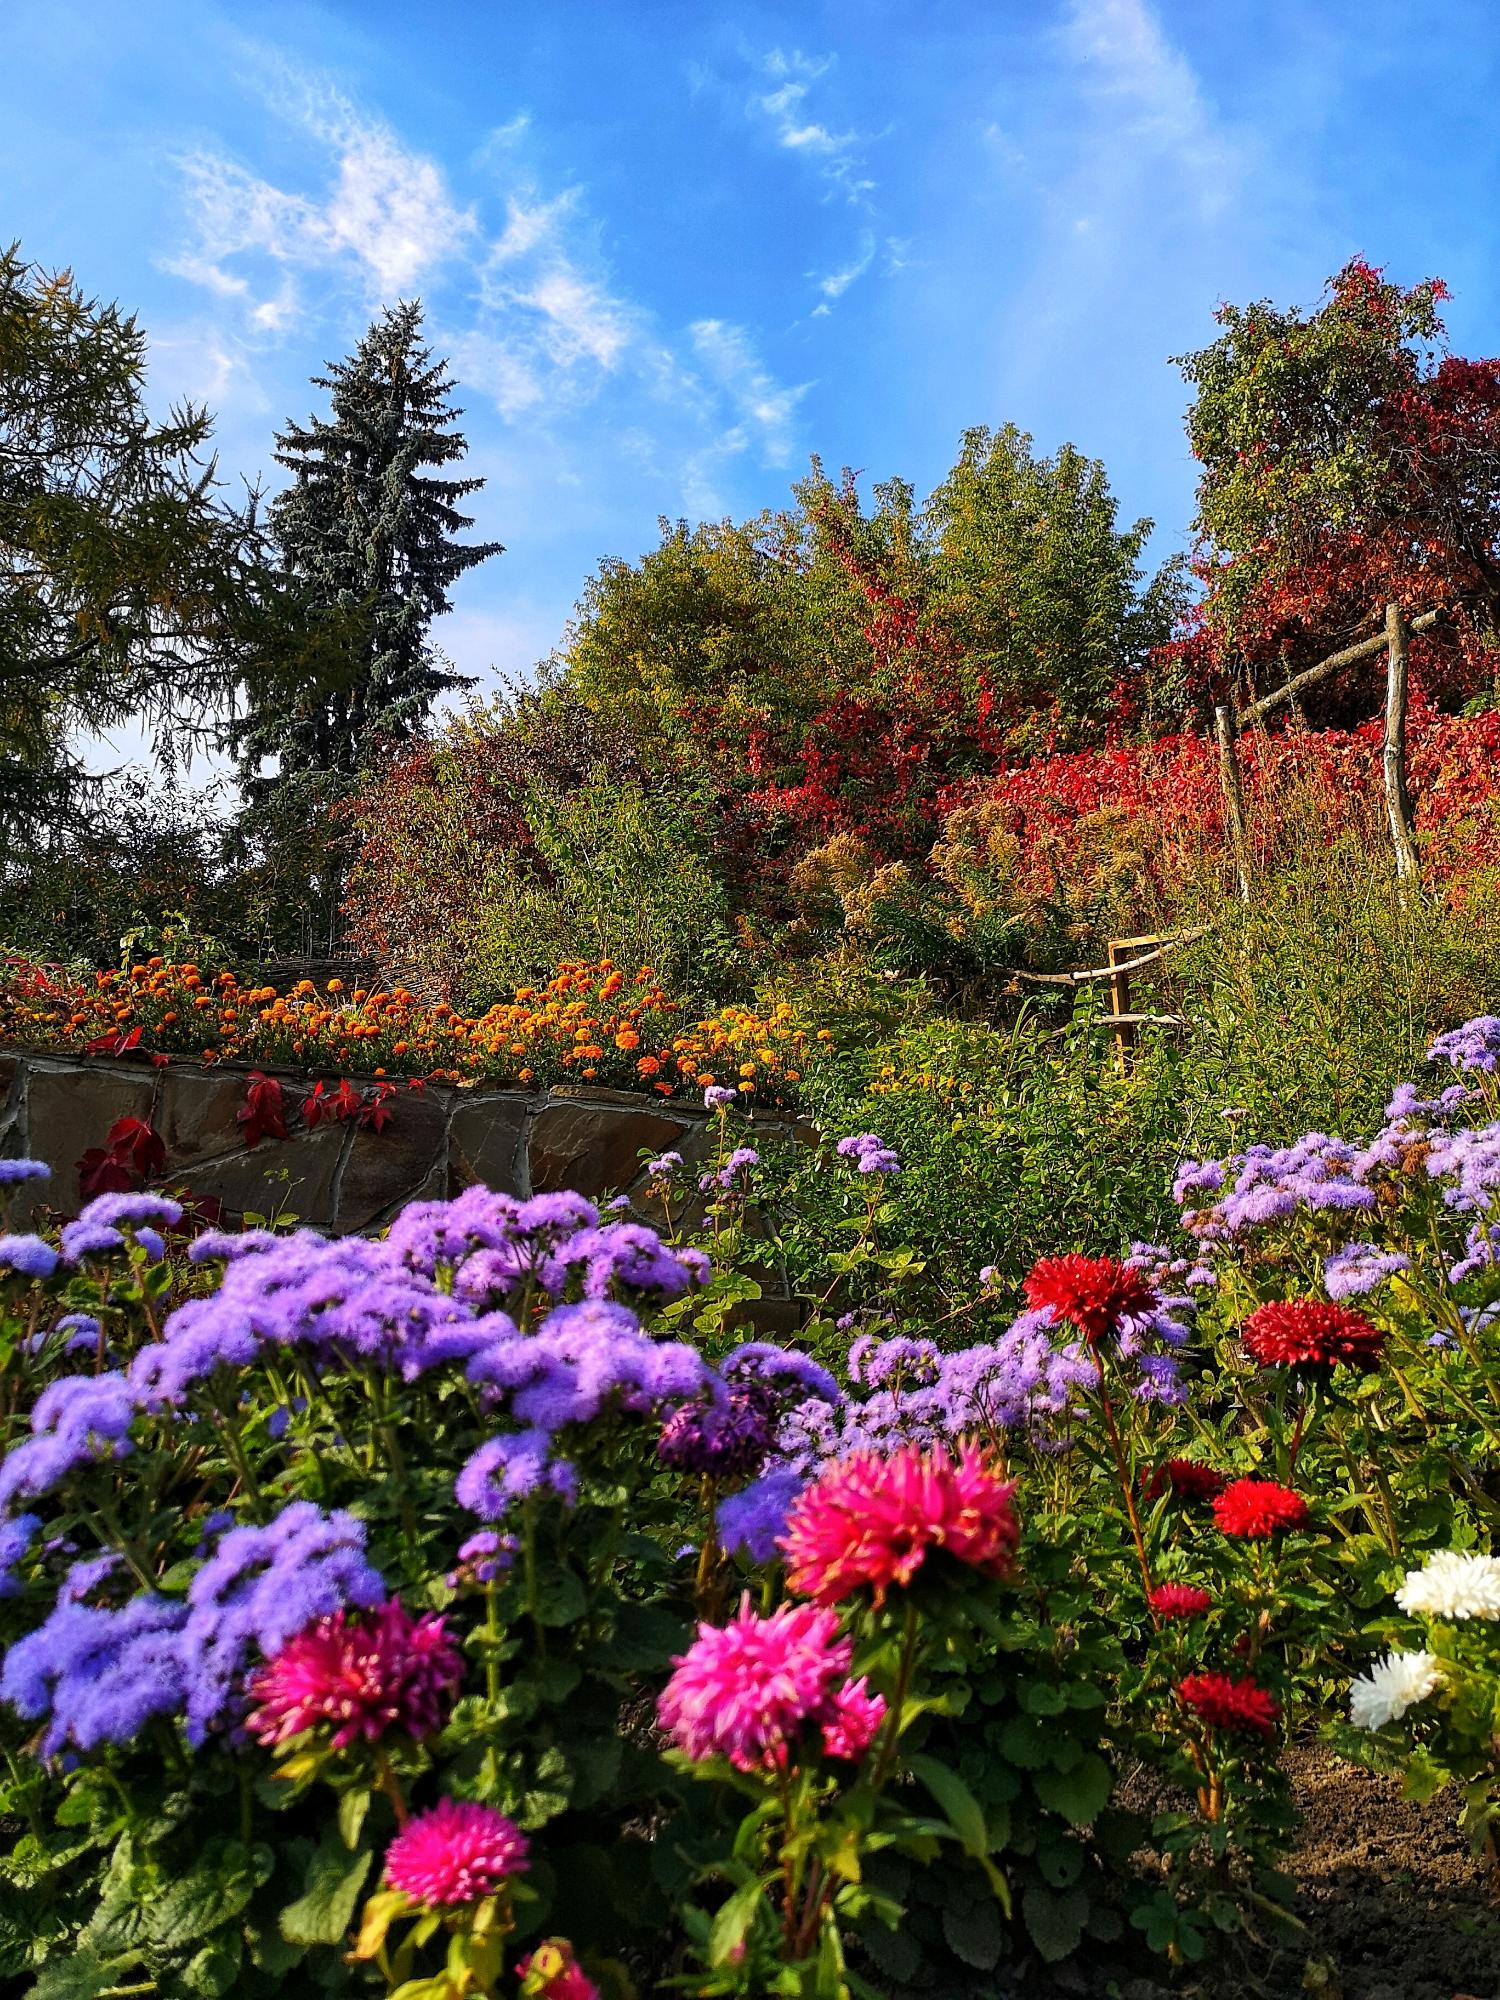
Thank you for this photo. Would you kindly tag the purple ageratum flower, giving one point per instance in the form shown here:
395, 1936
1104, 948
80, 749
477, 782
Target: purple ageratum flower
870, 1154
989, 1277
430, 1234
584, 1359
98, 1676
1469, 1162
82, 1239
27, 1256
259, 1589
76, 1420
1272, 1185
780, 1367
718, 1096
85, 1576
131, 1211
626, 1255
1474, 1046
16, 1537
506, 1469
753, 1522
1358, 1268
483, 1558
734, 1173
664, 1166
231, 1243
875, 1362
14, 1172
152, 1242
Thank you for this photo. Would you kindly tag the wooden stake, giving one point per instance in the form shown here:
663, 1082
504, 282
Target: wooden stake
1397, 796
1234, 794
1119, 998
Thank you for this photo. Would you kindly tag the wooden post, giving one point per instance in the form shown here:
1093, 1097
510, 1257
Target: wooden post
1234, 794
1397, 797
1121, 950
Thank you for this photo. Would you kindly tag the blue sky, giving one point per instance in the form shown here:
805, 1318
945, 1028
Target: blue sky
674, 248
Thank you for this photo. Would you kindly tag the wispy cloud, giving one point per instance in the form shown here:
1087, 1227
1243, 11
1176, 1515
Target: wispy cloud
835, 154
386, 216
765, 406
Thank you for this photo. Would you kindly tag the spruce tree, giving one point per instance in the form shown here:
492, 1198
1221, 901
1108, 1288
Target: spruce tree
372, 536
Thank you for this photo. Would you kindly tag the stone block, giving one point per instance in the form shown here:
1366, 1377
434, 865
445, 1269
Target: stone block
487, 1142
197, 1114
250, 1181
386, 1169
595, 1148
70, 1107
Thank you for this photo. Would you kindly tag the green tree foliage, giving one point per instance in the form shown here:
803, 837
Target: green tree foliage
829, 667
128, 588
372, 534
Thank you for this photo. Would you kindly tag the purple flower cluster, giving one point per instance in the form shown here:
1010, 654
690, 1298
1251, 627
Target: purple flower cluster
732, 1178
1476, 1045
1357, 1268
753, 1521
14, 1172
16, 1537
623, 1256
76, 1420
98, 1676
718, 1097
1269, 1185
27, 1256
870, 1154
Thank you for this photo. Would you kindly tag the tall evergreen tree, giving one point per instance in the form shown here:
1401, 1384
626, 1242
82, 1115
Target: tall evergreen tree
372, 535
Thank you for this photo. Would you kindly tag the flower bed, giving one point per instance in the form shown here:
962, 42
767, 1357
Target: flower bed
589, 1023
473, 1611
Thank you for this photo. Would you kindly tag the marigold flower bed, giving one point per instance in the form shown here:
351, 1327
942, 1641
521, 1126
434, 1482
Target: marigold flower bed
590, 1023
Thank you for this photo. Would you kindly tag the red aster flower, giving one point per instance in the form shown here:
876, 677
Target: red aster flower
1179, 1600
1187, 1478
1257, 1508
869, 1519
1092, 1293
1239, 1708
1311, 1333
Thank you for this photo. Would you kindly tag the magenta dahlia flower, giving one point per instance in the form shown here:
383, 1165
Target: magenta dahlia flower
868, 1519
454, 1854
854, 1721
361, 1675
744, 1690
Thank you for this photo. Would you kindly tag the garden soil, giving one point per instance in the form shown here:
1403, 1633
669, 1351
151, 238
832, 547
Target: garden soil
1396, 1908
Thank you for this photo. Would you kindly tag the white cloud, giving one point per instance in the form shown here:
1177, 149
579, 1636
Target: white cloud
1153, 107
834, 284
759, 400
387, 216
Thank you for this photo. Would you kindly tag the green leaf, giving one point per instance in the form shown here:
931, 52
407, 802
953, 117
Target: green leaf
964, 1812
353, 1805
331, 1887
80, 1976
1024, 1741
212, 1972
976, 1935
1054, 1919
733, 1920
1081, 1794
192, 1906
559, 1598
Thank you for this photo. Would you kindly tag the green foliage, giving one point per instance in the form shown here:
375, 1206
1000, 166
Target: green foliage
129, 588
612, 871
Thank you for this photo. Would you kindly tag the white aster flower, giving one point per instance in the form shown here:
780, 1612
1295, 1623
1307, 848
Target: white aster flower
1452, 1585
1391, 1687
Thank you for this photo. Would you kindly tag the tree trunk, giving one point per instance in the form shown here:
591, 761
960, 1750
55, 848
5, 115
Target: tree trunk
1234, 794
1397, 797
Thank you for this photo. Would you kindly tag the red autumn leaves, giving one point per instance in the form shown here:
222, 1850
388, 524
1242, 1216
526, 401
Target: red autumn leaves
265, 1112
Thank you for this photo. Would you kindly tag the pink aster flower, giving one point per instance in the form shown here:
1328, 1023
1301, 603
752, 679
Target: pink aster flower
869, 1519
454, 1854
854, 1721
745, 1689
362, 1675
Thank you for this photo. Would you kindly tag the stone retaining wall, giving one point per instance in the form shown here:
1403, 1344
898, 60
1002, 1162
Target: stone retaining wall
342, 1177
